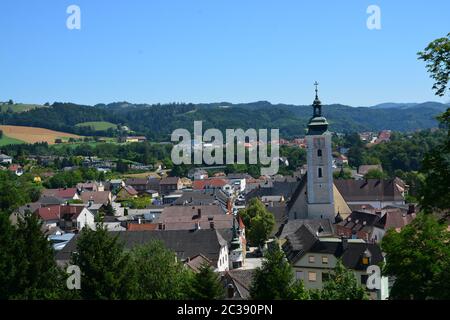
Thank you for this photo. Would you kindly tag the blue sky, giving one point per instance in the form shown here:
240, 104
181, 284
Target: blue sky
216, 50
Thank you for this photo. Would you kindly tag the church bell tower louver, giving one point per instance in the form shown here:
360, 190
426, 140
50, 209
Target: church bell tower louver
320, 201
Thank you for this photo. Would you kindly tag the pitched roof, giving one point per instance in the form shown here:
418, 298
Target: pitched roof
242, 281
184, 243
186, 217
303, 241
65, 193
209, 183
196, 262
169, 180
323, 227
100, 197
136, 181
395, 219
59, 212
201, 197
360, 221
369, 190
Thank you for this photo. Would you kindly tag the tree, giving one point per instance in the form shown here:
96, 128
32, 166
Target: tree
121, 166
36, 275
161, 276
341, 285
7, 257
104, 266
275, 280
435, 191
437, 57
206, 284
342, 174
375, 174
259, 222
10, 102
418, 257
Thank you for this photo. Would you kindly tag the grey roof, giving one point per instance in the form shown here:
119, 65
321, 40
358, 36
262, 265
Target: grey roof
202, 197
242, 281
279, 212
49, 200
314, 224
184, 243
304, 241
360, 221
285, 188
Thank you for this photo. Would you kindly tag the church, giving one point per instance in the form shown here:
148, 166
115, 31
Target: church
318, 196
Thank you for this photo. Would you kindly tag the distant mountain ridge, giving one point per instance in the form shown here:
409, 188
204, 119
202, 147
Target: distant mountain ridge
157, 121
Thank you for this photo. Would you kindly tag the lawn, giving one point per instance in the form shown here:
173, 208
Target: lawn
19, 107
98, 125
5, 140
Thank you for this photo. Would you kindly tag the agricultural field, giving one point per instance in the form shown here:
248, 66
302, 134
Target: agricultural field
98, 125
19, 107
5, 140
33, 134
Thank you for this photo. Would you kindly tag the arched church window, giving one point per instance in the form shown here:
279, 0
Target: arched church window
319, 173
319, 152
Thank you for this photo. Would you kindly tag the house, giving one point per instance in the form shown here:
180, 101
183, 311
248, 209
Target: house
126, 193
197, 174
135, 139
375, 192
203, 197
169, 184
138, 184
90, 186
212, 184
341, 160
393, 218
115, 184
67, 217
62, 193
194, 217
102, 198
16, 169
187, 244
238, 181
314, 258
5, 159
365, 168
358, 225
237, 283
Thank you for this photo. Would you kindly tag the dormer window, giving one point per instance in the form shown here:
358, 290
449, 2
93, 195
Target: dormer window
319, 152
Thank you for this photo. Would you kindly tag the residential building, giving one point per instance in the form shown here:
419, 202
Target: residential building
169, 184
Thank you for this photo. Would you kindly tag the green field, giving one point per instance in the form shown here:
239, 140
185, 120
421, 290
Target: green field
18, 107
98, 125
4, 141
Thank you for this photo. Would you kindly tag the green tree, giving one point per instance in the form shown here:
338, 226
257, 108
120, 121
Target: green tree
160, 275
104, 266
7, 257
435, 191
206, 285
121, 166
275, 279
419, 258
437, 57
10, 102
36, 273
341, 285
342, 174
259, 222
375, 174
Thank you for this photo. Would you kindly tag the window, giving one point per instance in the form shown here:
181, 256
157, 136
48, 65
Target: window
312, 276
319, 152
319, 172
299, 275
311, 259
325, 260
364, 278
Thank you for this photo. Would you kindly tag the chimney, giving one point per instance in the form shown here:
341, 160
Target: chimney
344, 241
230, 291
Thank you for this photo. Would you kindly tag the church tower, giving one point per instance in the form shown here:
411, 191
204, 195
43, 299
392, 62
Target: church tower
320, 202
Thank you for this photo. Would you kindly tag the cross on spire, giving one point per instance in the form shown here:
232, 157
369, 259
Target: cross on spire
317, 90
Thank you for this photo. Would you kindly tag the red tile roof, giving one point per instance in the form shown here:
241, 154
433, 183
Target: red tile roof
58, 212
208, 183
